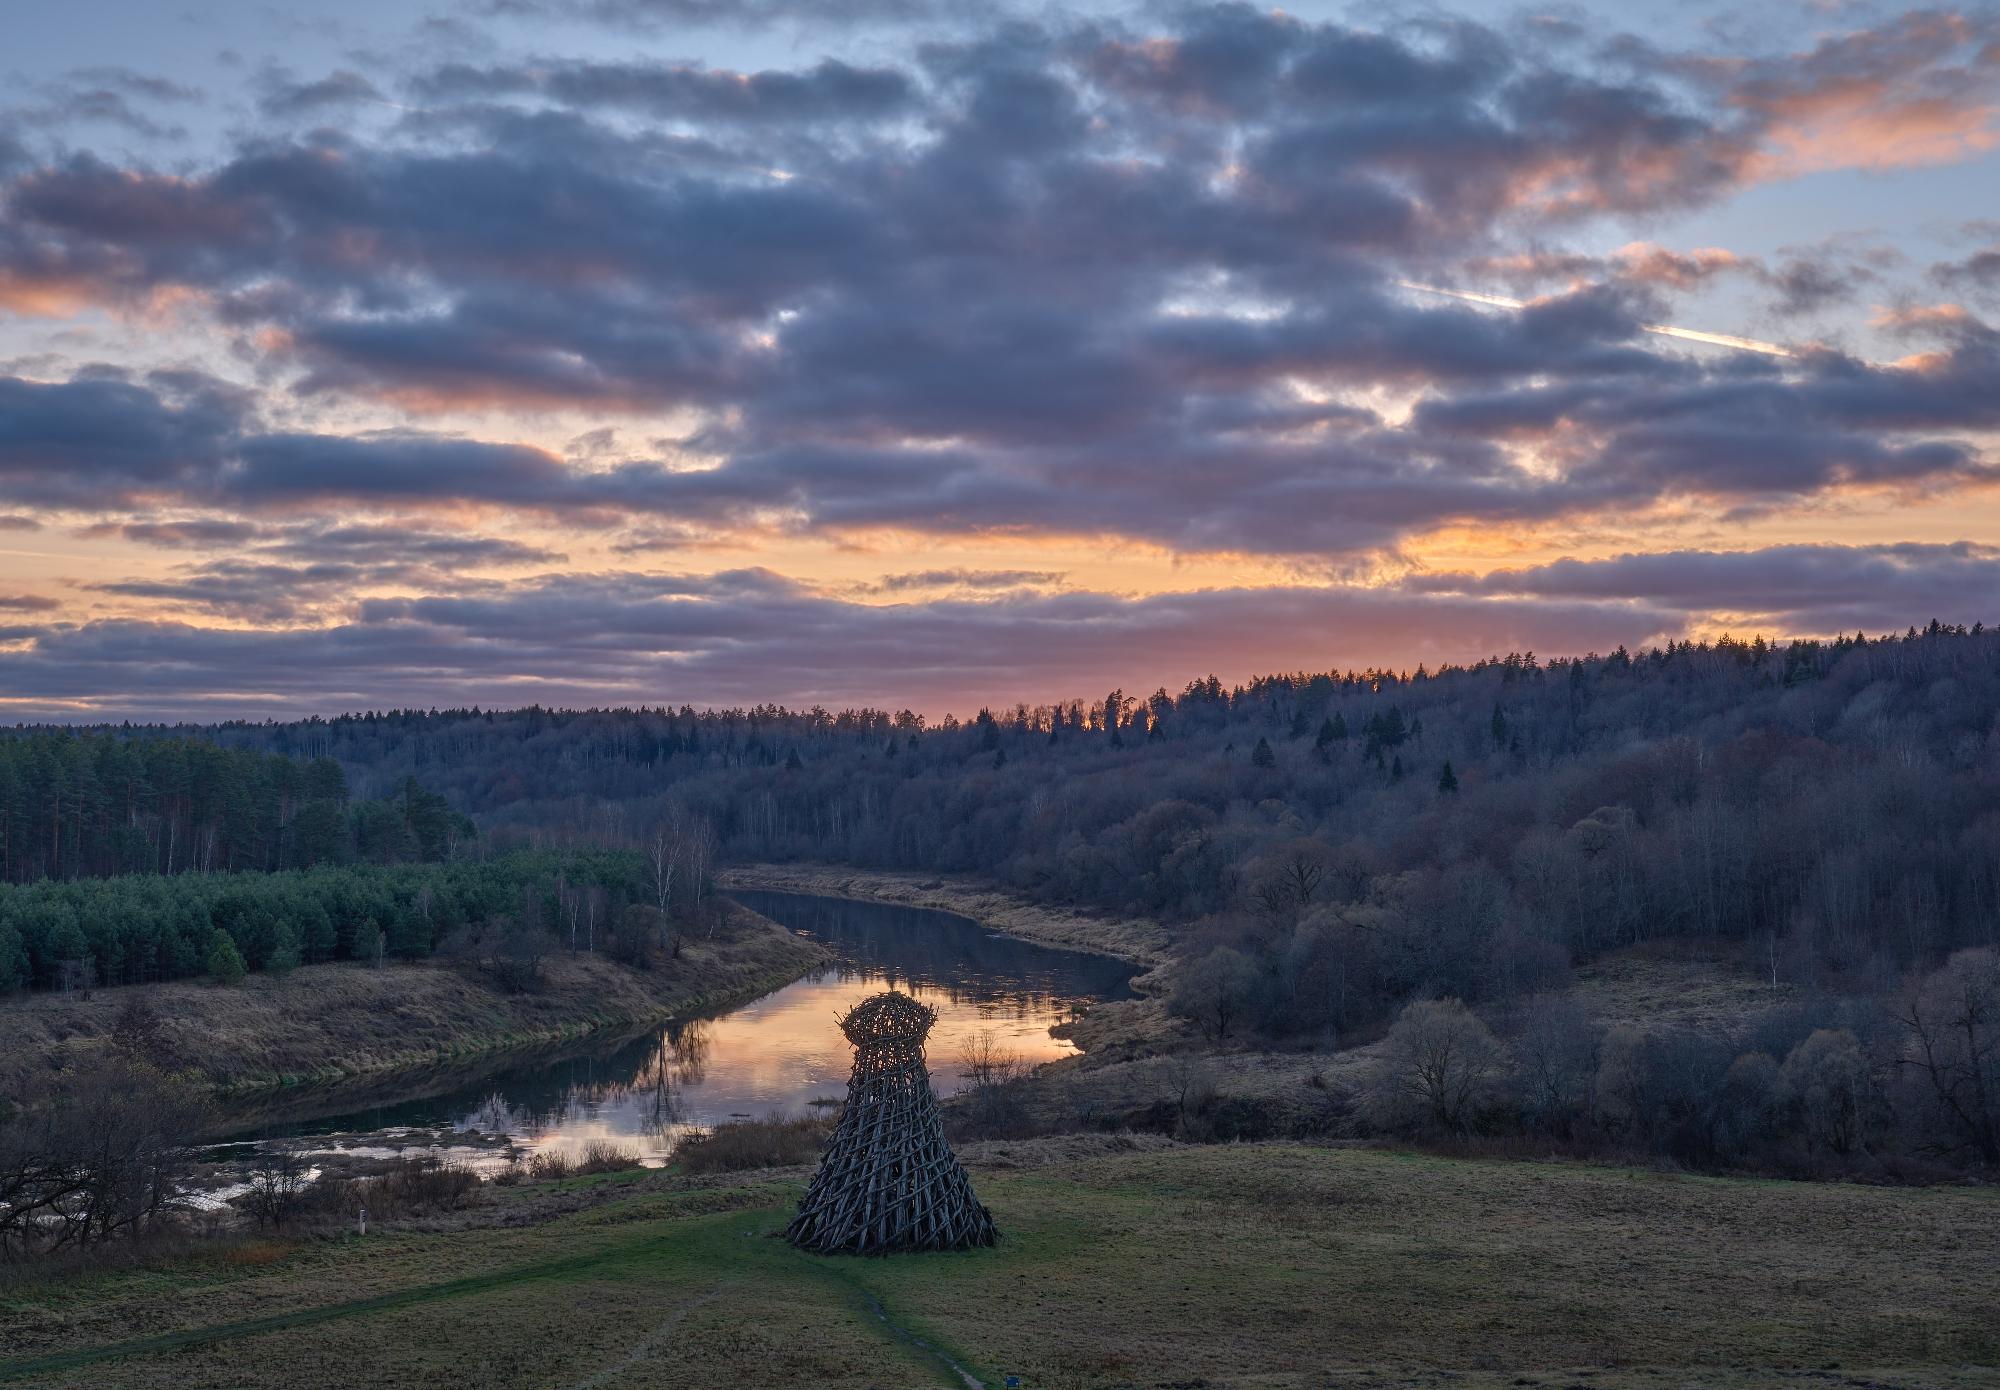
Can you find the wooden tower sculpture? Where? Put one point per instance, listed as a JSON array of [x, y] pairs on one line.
[[888, 1181]]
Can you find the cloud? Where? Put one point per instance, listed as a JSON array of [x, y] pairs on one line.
[[114, 96], [286, 97], [1807, 589], [650, 15], [1923, 88], [1975, 274], [315, 571], [967, 579], [104, 439], [1606, 427], [1062, 276], [829, 91]]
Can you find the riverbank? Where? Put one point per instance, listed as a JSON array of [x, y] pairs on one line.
[[1114, 1031], [333, 1023], [1122, 1263], [1137, 939]]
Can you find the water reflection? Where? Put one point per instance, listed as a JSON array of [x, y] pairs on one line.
[[782, 1053]]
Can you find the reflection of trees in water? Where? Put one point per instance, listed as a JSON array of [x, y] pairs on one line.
[[677, 1061], [648, 1076]]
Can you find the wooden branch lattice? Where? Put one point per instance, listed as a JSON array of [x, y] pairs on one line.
[[887, 1179]]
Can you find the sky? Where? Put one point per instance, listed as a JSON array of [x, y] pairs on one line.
[[889, 352]]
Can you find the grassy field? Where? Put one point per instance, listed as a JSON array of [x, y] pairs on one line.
[[1243, 1266]]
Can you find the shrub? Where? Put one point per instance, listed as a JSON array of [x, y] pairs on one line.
[[603, 1156], [551, 1165], [412, 1185]]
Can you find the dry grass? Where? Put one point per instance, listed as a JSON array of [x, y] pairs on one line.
[[1123, 1263], [742, 1145], [598, 1156], [334, 1021], [1674, 984], [1130, 938]]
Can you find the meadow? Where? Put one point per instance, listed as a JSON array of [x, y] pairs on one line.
[[1125, 1262]]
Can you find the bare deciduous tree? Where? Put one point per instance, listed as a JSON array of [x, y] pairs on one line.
[[1953, 1019], [1440, 1068]]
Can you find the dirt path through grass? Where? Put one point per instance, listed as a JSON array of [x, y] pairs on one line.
[[614, 1373]]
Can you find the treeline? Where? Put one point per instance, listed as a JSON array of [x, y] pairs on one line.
[[89, 806], [136, 928]]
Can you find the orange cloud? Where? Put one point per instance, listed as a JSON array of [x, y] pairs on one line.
[[1909, 94]]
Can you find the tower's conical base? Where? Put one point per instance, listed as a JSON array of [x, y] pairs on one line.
[[888, 1181]]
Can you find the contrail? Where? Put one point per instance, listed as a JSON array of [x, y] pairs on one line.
[[1665, 330]]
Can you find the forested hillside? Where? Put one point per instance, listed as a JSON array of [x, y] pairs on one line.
[[1351, 839]]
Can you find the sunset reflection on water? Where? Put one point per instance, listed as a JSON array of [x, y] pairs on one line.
[[781, 1053]]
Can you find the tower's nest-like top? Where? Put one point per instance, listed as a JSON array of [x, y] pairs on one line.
[[888, 1018]]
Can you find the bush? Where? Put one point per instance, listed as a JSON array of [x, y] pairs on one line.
[[742, 1144], [414, 1185], [603, 1156], [550, 1165]]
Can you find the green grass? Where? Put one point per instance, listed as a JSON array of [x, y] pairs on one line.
[[1255, 1266]]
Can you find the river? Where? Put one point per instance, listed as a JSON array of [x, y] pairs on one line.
[[780, 1054]]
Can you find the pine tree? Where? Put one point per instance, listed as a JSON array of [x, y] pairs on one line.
[[1447, 779], [1499, 727], [224, 961], [285, 954], [1262, 756]]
